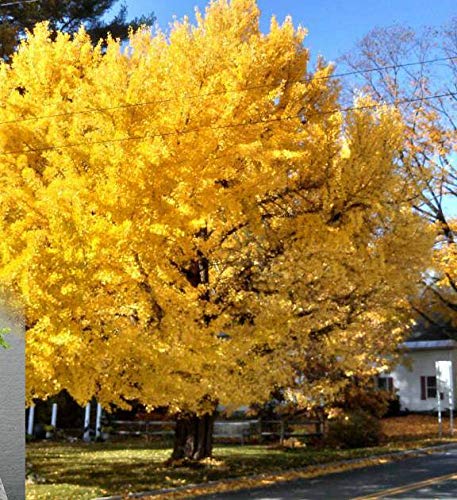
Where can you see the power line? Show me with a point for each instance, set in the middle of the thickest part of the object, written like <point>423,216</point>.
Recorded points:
<point>393,66</point>
<point>9,4</point>
<point>221,127</point>
<point>215,92</point>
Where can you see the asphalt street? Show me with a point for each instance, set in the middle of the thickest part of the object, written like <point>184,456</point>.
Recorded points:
<point>431,476</point>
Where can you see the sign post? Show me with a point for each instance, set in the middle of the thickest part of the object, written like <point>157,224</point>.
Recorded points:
<point>445,385</point>
<point>440,420</point>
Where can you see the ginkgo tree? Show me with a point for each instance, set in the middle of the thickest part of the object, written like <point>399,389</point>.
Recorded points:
<point>193,220</point>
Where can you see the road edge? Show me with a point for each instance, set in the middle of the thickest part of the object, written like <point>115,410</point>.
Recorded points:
<point>310,471</point>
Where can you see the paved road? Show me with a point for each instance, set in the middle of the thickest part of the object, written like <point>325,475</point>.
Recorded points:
<point>432,476</point>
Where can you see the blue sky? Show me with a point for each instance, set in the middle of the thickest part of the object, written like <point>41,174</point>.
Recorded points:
<point>334,25</point>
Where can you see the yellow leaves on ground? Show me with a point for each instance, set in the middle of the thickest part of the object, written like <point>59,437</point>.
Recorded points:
<point>193,185</point>
<point>417,426</point>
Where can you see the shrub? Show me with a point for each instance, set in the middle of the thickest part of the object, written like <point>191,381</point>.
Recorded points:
<point>364,396</point>
<point>356,429</point>
<point>394,408</point>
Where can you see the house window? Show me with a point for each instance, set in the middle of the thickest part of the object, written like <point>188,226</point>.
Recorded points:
<point>428,388</point>
<point>431,387</point>
<point>386,383</point>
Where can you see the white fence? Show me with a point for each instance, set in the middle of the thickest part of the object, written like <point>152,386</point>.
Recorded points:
<point>233,430</point>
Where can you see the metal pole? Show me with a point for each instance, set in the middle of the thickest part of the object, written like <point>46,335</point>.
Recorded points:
<point>451,420</point>
<point>86,435</point>
<point>451,402</point>
<point>30,420</point>
<point>98,420</point>
<point>440,422</point>
<point>451,398</point>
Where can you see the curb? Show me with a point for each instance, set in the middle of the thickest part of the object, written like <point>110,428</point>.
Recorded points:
<point>411,453</point>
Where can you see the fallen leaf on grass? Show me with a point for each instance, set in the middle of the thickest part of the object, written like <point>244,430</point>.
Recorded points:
<point>268,479</point>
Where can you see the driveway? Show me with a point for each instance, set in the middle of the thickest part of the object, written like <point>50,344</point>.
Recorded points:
<point>432,476</point>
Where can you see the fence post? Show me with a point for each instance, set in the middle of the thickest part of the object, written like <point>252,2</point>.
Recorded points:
<point>146,430</point>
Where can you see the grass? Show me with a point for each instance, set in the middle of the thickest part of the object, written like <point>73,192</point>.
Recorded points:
<point>85,471</point>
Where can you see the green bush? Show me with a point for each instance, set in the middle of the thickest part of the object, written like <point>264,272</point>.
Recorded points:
<point>356,429</point>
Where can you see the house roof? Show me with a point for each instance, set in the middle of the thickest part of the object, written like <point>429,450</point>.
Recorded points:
<point>428,335</point>
<point>429,344</point>
<point>427,331</point>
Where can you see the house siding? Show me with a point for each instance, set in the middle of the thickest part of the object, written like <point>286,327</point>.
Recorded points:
<point>407,378</point>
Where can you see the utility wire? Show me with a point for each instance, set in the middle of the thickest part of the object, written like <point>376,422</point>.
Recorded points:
<point>393,66</point>
<point>9,4</point>
<point>221,127</point>
<point>216,92</point>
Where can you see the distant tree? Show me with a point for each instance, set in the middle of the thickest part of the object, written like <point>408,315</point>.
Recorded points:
<point>18,16</point>
<point>417,71</point>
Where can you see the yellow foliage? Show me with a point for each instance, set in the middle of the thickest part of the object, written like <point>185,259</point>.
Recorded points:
<point>192,184</point>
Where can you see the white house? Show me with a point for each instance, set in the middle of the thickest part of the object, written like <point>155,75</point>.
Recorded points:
<point>415,380</point>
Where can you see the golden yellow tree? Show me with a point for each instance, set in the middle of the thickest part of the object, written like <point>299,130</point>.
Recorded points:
<point>192,220</point>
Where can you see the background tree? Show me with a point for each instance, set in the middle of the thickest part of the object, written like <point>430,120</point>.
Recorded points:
<point>417,71</point>
<point>231,230</point>
<point>66,16</point>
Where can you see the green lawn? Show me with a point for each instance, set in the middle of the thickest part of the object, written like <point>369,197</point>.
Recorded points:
<point>85,471</point>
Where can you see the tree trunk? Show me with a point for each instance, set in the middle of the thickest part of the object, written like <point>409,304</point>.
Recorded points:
<point>193,436</point>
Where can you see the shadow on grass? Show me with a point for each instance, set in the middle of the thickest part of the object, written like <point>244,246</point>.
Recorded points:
<point>129,466</point>
<point>125,467</point>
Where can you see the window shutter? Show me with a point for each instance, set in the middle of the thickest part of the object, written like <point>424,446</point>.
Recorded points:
<point>390,384</point>
<point>423,388</point>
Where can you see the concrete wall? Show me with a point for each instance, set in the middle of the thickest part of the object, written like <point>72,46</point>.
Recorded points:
<point>12,412</point>
<point>406,378</point>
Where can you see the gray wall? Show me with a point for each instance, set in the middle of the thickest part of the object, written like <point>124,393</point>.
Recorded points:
<point>12,409</point>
